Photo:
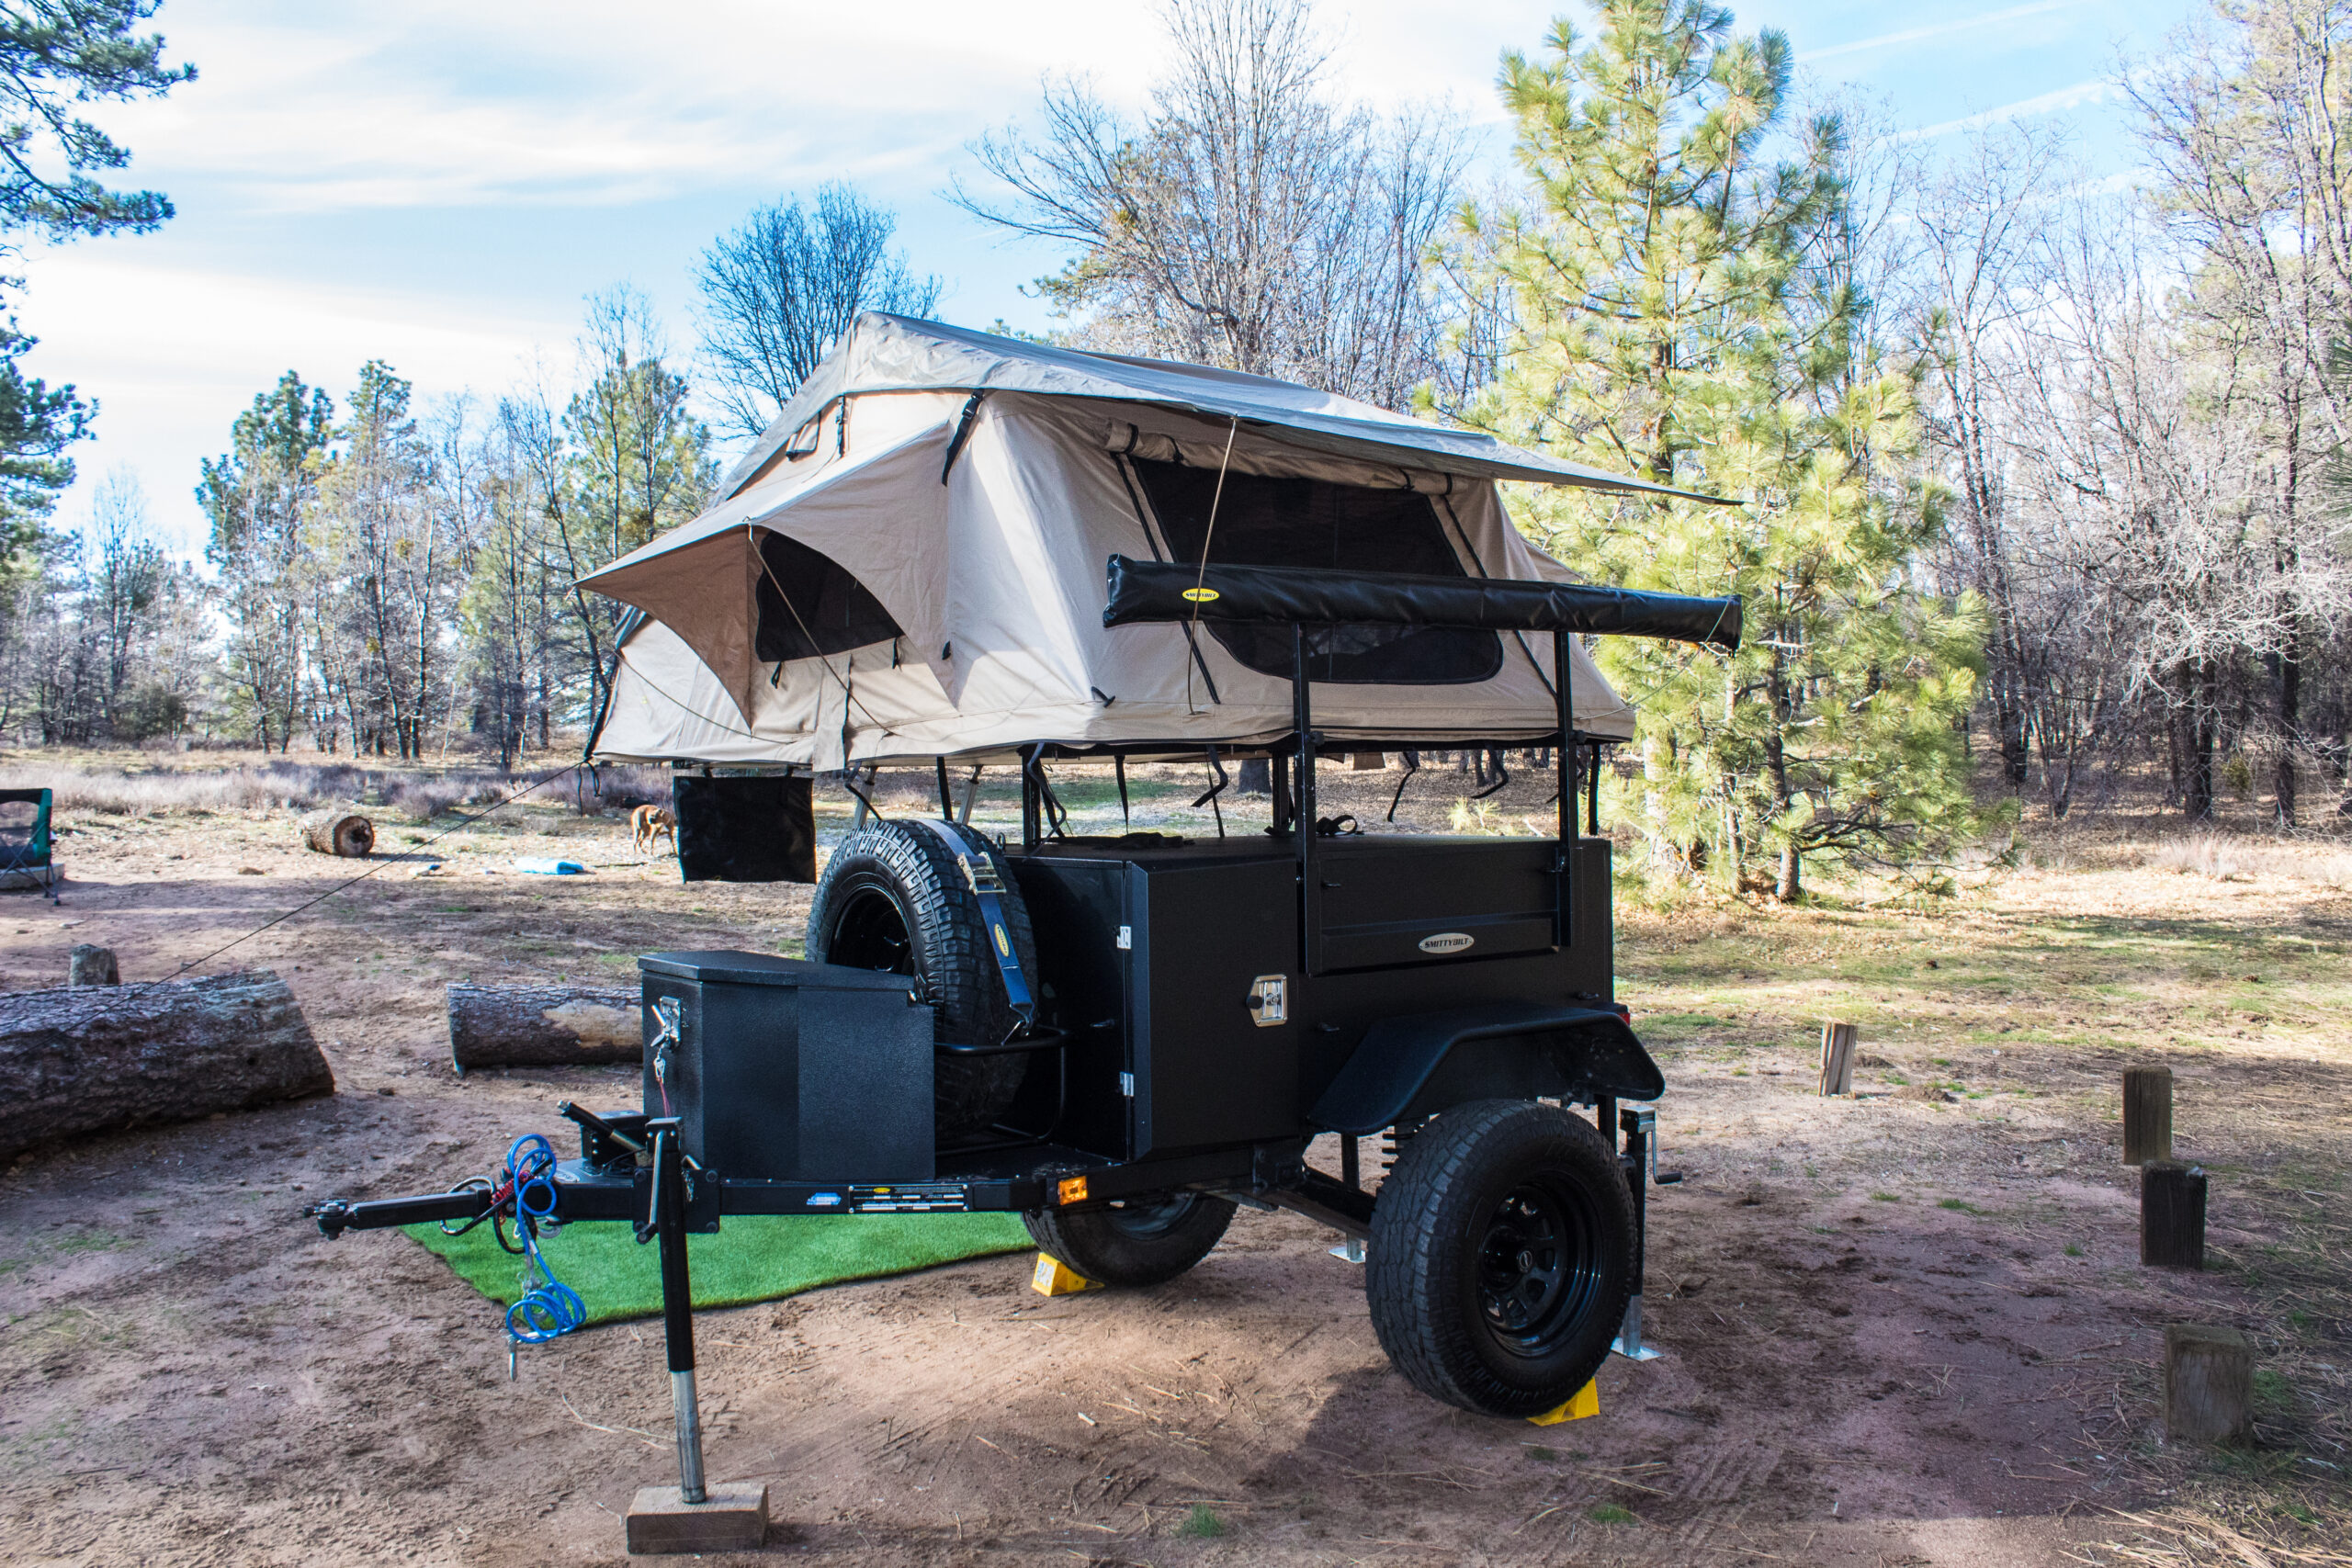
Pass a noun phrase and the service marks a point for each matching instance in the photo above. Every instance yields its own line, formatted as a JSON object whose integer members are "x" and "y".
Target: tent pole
{"x": 1310, "y": 889}
{"x": 947, "y": 801}
{"x": 1563, "y": 671}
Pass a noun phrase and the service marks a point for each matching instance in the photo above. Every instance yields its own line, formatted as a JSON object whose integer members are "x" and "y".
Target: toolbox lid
{"x": 728, "y": 968}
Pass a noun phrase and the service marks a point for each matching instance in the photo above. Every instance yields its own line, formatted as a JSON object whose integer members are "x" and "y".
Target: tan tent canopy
{"x": 911, "y": 564}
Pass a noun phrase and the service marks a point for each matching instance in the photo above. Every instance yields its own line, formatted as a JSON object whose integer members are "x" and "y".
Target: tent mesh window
{"x": 829, "y": 610}
{"x": 1262, "y": 520}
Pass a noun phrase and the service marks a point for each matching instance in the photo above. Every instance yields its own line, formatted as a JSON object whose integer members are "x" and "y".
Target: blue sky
{"x": 439, "y": 183}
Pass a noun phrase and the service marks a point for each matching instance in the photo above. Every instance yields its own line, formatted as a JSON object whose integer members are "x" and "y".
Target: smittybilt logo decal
{"x": 1447, "y": 941}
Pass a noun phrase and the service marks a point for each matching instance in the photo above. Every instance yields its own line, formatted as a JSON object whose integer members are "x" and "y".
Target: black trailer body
{"x": 1187, "y": 1018}
{"x": 1182, "y": 975}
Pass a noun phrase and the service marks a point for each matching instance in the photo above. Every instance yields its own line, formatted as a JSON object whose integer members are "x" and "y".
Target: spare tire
{"x": 892, "y": 897}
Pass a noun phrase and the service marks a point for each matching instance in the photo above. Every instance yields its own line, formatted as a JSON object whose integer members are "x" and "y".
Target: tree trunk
{"x": 1790, "y": 886}
{"x": 1256, "y": 777}
{"x": 2008, "y": 717}
{"x": 339, "y": 830}
{"x": 2196, "y": 802}
{"x": 543, "y": 1026}
{"x": 2290, "y": 704}
{"x": 97, "y": 1057}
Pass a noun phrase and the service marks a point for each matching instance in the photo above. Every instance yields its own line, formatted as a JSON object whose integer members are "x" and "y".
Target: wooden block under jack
{"x": 734, "y": 1518}
{"x": 1056, "y": 1278}
{"x": 1586, "y": 1403}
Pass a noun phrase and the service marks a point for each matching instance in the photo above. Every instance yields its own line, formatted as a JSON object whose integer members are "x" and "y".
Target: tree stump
{"x": 2172, "y": 1214}
{"x": 2208, "y": 1384}
{"x": 2147, "y": 1114}
{"x": 339, "y": 830}
{"x": 543, "y": 1026}
{"x": 92, "y": 1058}
{"x": 1838, "y": 1043}
{"x": 89, "y": 964}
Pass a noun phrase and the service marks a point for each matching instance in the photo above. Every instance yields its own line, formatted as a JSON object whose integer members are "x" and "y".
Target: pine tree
{"x": 259, "y": 497}
{"x": 1681, "y": 273}
{"x": 55, "y": 58}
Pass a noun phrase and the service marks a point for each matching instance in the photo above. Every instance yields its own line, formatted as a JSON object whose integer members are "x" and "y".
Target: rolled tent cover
{"x": 911, "y": 565}
{"x": 1142, "y": 592}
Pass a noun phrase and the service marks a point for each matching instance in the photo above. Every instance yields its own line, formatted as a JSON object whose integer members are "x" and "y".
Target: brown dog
{"x": 647, "y": 823}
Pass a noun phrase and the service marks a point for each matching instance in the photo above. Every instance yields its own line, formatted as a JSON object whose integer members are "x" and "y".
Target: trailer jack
{"x": 1640, "y": 1162}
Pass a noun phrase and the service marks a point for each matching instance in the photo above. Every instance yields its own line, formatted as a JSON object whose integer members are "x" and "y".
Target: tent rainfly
{"x": 910, "y": 563}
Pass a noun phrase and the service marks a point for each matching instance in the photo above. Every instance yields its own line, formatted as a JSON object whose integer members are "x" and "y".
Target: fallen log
{"x": 339, "y": 830}
{"x": 93, "y": 1058}
{"x": 543, "y": 1026}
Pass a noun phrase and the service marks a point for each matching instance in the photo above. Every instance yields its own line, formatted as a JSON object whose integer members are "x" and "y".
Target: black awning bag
{"x": 1143, "y": 592}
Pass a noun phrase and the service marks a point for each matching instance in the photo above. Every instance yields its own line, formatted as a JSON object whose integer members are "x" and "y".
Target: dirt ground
{"x": 1907, "y": 1328}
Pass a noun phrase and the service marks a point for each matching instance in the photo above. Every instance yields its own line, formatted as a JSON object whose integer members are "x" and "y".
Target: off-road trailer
{"x": 1193, "y": 1015}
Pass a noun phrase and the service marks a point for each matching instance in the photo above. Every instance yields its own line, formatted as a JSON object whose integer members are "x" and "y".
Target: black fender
{"x": 1409, "y": 1067}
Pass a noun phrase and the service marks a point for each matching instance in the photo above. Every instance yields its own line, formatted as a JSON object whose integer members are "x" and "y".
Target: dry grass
{"x": 276, "y": 785}
{"x": 2190, "y": 1537}
{"x": 97, "y": 782}
{"x": 2228, "y": 858}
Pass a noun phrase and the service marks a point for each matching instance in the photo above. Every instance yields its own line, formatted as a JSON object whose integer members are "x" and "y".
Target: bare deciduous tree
{"x": 782, "y": 289}
{"x": 2250, "y": 131}
{"x": 1251, "y": 222}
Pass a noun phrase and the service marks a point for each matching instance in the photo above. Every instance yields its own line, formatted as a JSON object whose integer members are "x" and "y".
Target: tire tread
{"x": 1407, "y": 1269}
{"x": 961, "y": 978}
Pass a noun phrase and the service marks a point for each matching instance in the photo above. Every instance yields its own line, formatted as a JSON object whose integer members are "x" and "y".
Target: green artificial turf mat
{"x": 751, "y": 1258}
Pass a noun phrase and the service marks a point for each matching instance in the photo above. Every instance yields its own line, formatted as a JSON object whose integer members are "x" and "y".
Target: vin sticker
{"x": 916, "y": 1198}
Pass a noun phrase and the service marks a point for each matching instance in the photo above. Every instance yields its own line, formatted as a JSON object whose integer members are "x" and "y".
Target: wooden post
{"x": 1837, "y": 1043}
{"x": 2172, "y": 1214}
{"x": 89, "y": 964}
{"x": 2147, "y": 1114}
{"x": 2208, "y": 1384}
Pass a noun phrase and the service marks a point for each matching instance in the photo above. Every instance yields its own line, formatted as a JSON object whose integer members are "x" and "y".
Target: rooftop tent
{"x": 910, "y": 563}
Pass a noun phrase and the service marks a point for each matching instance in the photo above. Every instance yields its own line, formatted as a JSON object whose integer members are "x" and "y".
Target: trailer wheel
{"x": 1501, "y": 1257}
{"x": 892, "y": 897}
{"x": 1140, "y": 1241}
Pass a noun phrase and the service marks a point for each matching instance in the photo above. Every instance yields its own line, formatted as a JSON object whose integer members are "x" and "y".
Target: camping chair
{"x": 25, "y": 843}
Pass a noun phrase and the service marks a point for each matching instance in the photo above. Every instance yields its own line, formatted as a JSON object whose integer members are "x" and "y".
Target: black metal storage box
{"x": 784, "y": 1070}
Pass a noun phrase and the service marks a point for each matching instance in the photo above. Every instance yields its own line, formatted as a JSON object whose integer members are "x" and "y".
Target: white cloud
{"x": 2055, "y": 102}
{"x": 175, "y": 355}
{"x": 1937, "y": 29}
{"x": 442, "y": 104}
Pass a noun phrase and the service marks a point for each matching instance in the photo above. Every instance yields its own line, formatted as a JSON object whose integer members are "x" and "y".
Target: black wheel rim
{"x": 1539, "y": 1271}
{"x": 872, "y": 933}
{"x": 1144, "y": 1218}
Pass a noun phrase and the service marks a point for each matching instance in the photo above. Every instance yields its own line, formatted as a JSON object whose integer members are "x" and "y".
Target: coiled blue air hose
{"x": 547, "y": 1306}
